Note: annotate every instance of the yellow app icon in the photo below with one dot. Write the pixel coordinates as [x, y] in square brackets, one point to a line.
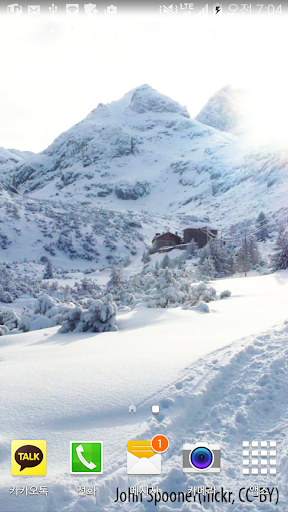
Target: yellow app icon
[28, 457]
[142, 459]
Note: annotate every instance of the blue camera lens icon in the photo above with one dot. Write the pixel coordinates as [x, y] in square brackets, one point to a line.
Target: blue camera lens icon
[201, 458]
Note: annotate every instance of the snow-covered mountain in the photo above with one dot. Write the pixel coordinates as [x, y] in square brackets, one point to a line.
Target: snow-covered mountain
[144, 152]
[124, 153]
[140, 159]
[223, 110]
[9, 158]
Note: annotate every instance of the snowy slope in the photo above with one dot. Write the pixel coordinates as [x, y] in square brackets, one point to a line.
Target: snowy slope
[78, 236]
[74, 235]
[220, 376]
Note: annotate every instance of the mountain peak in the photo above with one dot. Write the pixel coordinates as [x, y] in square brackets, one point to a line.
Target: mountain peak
[223, 110]
[122, 151]
[141, 100]
[145, 99]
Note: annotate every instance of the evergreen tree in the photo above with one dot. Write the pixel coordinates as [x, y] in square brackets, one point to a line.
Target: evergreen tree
[191, 249]
[279, 259]
[48, 274]
[146, 257]
[248, 255]
[165, 262]
[207, 268]
[116, 278]
[219, 255]
[127, 261]
[254, 253]
[262, 228]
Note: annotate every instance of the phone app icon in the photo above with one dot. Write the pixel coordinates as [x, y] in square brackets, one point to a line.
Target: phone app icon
[28, 457]
[86, 457]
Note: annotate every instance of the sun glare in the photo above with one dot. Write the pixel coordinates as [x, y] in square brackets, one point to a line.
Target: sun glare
[265, 112]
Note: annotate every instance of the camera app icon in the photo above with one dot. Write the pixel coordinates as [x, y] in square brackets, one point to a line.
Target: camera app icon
[201, 458]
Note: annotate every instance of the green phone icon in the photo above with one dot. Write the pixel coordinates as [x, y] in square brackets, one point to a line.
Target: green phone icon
[86, 457]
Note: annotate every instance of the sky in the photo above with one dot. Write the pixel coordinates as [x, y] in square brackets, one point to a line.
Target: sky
[55, 71]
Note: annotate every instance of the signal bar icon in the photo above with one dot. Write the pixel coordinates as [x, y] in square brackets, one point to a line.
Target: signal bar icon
[204, 11]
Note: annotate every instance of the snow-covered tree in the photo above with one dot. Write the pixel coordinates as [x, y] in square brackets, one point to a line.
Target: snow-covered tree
[220, 256]
[179, 261]
[116, 278]
[206, 268]
[165, 262]
[191, 249]
[279, 259]
[3, 330]
[48, 274]
[99, 317]
[262, 228]
[127, 261]
[146, 257]
[8, 320]
[248, 255]
[167, 289]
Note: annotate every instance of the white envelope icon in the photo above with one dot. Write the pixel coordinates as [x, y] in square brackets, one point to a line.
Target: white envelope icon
[141, 465]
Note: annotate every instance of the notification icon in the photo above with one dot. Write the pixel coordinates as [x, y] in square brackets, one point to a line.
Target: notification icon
[160, 444]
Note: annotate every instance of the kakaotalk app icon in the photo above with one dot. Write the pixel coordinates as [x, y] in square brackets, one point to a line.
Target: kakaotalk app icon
[28, 458]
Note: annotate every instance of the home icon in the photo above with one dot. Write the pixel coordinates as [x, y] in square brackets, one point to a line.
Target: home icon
[132, 408]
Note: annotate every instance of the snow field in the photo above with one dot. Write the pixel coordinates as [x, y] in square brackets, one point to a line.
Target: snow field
[61, 387]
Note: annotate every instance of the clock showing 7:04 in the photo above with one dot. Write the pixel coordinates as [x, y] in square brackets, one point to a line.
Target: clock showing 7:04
[269, 9]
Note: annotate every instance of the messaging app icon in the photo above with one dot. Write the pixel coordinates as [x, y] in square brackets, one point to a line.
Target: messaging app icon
[28, 458]
[86, 457]
[144, 457]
